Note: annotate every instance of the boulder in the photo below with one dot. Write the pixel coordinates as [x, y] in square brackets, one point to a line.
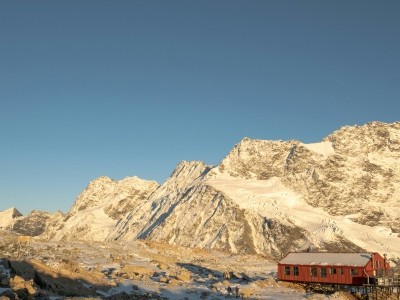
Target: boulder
[267, 282]
[137, 270]
[16, 280]
[246, 292]
[162, 266]
[246, 277]
[184, 276]
[8, 295]
[174, 282]
[227, 275]
[235, 275]
[164, 279]
[25, 289]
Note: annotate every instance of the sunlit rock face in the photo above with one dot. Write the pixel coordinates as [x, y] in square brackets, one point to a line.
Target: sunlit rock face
[99, 208]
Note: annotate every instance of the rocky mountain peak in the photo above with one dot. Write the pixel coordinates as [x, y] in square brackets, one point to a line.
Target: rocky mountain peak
[14, 212]
[100, 206]
[38, 213]
[192, 170]
[377, 137]
[184, 175]
[102, 180]
[93, 194]
[259, 159]
[103, 191]
[360, 178]
[8, 217]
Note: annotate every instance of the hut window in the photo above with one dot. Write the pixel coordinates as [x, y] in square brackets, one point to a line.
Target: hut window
[341, 271]
[323, 272]
[287, 270]
[296, 271]
[354, 272]
[313, 272]
[333, 270]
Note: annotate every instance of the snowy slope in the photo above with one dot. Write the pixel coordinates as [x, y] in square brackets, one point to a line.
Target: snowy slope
[271, 199]
[99, 207]
[189, 210]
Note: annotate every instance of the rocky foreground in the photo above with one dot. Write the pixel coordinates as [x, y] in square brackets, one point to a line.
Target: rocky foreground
[35, 269]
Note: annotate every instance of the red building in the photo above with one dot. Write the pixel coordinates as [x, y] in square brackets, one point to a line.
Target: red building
[333, 268]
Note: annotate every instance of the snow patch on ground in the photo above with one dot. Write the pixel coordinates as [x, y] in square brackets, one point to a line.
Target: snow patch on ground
[95, 220]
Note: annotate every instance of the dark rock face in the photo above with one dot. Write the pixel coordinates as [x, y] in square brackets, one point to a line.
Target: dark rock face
[33, 224]
[16, 213]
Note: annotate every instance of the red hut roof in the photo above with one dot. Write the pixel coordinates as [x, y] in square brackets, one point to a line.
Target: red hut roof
[328, 259]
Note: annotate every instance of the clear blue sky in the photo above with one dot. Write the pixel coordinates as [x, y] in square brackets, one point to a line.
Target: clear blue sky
[123, 88]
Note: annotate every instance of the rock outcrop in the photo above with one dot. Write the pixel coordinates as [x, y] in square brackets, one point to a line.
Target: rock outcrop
[8, 218]
[33, 224]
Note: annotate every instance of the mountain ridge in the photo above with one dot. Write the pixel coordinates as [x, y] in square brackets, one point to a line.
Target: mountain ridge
[265, 197]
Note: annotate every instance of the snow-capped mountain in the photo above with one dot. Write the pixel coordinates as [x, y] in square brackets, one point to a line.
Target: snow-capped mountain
[99, 207]
[8, 217]
[271, 197]
[266, 197]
